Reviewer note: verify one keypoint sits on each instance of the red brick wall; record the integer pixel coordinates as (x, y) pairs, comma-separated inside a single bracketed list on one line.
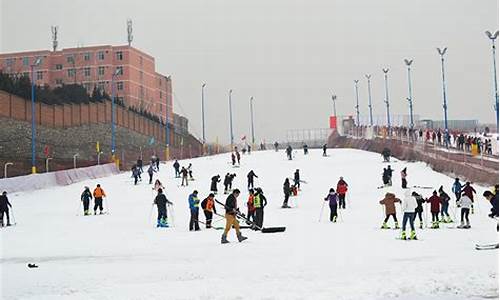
[(84, 113), (58, 116), (67, 122), (47, 115)]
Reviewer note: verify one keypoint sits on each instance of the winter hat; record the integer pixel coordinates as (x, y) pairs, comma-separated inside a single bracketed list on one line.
[(211, 195), (160, 191), (332, 190), (236, 191)]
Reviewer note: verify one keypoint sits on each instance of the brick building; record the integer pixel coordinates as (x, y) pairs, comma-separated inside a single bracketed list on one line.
[(136, 83)]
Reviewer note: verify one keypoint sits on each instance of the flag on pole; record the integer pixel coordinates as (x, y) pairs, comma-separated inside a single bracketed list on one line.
[(97, 147)]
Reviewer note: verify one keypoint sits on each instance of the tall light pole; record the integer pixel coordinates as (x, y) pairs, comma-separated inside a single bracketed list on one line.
[(493, 37), (357, 101), (386, 101), (445, 105), (334, 99), (370, 98), (47, 164), (410, 100), (231, 119), (251, 118), (74, 160), (167, 119), (33, 125), (203, 111), (113, 133)]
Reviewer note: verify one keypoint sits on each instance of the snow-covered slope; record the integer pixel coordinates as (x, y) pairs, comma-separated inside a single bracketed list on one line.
[(123, 256)]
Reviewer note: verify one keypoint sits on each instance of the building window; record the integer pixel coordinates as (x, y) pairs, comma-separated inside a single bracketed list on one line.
[(26, 61), (100, 71), (59, 81), (70, 59), (71, 72), (59, 67), (9, 62), (86, 56), (100, 55), (39, 75), (86, 72), (119, 55), (119, 85), (100, 85), (119, 70)]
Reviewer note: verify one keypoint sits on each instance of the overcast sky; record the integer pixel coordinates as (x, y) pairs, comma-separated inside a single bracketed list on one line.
[(290, 55)]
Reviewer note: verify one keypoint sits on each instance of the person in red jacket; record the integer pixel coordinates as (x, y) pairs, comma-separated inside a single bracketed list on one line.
[(435, 202), (469, 191), (341, 191)]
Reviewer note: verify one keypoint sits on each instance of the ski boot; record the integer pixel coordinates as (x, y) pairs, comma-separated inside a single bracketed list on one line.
[(240, 237), (396, 225), (335, 219), (467, 226), (223, 239), (461, 225), (413, 235), (403, 235), (384, 226), (435, 225)]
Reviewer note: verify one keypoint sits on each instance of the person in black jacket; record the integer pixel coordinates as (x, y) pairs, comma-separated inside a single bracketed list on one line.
[(286, 191), (213, 186), (139, 164), (296, 179), (231, 207), (4, 208), (176, 167), (493, 198), (161, 202), (324, 150), (86, 197), (289, 152), (250, 177), (226, 183), (420, 209)]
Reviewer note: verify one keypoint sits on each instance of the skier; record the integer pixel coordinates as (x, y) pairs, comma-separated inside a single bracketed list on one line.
[(208, 206), (435, 202), (213, 186), (233, 159), (289, 152), (296, 179), (389, 174), (250, 177), (276, 145), (226, 183), (493, 199), (231, 178), (341, 191), (151, 170), (190, 171), (445, 203), (390, 209), (4, 208), (161, 203), (139, 164), (238, 157), (176, 167), (457, 188), (157, 161), (404, 183), (469, 191), (286, 190), (194, 206), (250, 207), (249, 149), (465, 203), (332, 199), (324, 150), (98, 195), (136, 173), (231, 221), (259, 202), (85, 198), (419, 209), (184, 173), (306, 151), (409, 206), (385, 177)]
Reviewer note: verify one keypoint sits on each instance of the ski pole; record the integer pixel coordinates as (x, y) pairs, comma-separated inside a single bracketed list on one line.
[(321, 212)]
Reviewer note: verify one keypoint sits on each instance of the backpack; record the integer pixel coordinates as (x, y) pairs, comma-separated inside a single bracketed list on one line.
[(204, 204)]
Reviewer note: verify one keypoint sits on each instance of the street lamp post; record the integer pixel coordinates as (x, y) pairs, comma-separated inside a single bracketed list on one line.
[(251, 118), (386, 101), (203, 112), (33, 125), (231, 119), (493, 37), (357, 101), (370, 98), (445, 105), (99, 157), (5, 169), (410, 100), (47, 164), (167, 118), (334, 99), (74, 160)]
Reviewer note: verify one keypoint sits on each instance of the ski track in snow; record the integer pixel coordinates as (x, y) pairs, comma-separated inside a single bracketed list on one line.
[(123, 256)]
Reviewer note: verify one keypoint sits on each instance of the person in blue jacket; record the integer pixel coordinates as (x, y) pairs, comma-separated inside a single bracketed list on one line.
[(194, 206), (332, 201), (457, 188)]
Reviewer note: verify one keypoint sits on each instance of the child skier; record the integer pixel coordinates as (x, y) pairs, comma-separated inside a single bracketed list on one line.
[(98, 195), (420, 209), (190, 171), (161, 202), (409, 206), (194, 206), (208, 206), (250, 207), (332, 201), (286, 190), (4, 208), (85, 198), (390, 209), (341, 191), (445, 203), (231, 221), (466, 204), (435, 202)]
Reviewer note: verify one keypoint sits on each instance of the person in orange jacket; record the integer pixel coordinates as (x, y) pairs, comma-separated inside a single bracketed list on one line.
[(98, 195), (251, 208)]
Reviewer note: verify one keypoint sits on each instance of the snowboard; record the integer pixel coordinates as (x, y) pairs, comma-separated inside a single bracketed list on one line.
[(486, 246)]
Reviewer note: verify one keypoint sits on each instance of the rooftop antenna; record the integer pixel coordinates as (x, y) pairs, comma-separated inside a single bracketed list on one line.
[(130, 37), (54, 30)]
